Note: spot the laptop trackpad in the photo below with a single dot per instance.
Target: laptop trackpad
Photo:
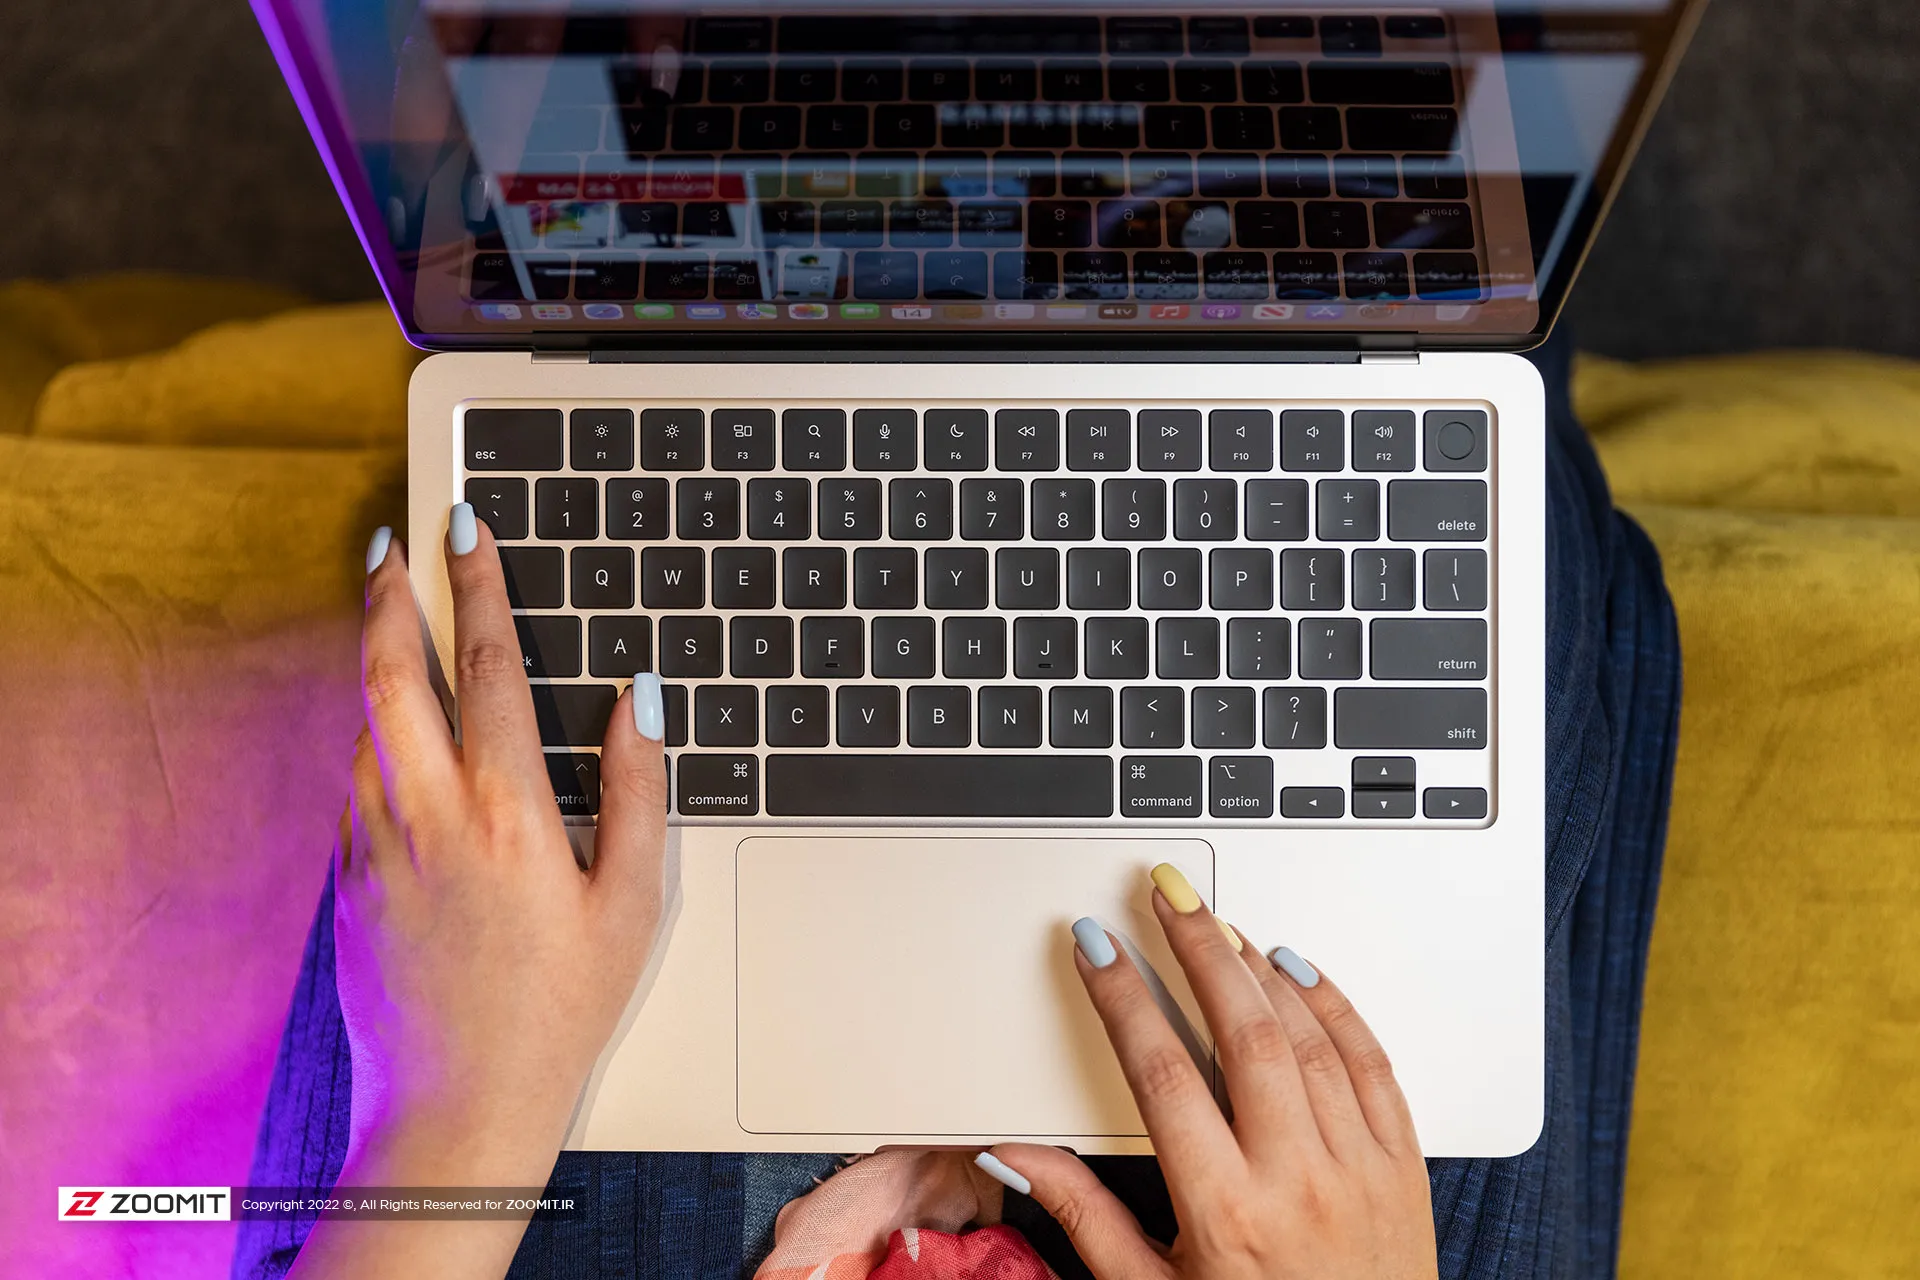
(926, 987)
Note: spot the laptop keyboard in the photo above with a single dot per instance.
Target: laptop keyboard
(1238, 614)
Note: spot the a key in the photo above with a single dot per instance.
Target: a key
(1258, 649)
(1027, 439)
(1241, 786)
(992, 510)
(742, 578)
(850, 510)
(1133, 510)
(1186, 648)
(536, 576)
(1160, 786)
(1311, 578)
(1045, 648)
(1099, 578)
(1437, 510)
(717, 785)
(1368, 717)
(1456, 579)
(726, 715)
(1349, 510)
(566, 508)
(974, 648)
(911, 784)
(1223, 717)
(1312, 802)
(674, 696)
(1394, 772)
(1152, 717)
(742, 440)
(939, 716)
(762, 647)
(573, 715)
(1454, 802)
(832, 649)
(511, 440)
(777, 509)
(1099, 439)
(1456, 439)
(1313, 439)
(601, 439)
(1329, 648)
(1428, 649)
(1080, 717)
(797, 716)
(1293, 719)
(813, 578)
(955, 439)
(636, 508)
(1116, 648)
(708, 509)
(670, 439)
(1241, 439)
(1383, 804)
(885, 439)
(1062, 510)
(1276, 510)
(885, 578)
(603, 577)
(1009, 716)
(1169, 578)
(549, 645)
(1026, 578)
(576, 782)
(1206, 510)
(1383, 440)
(813, 439)
(867, 715)
(619, 646)
(502, 502)
(1240, 578)
(1168, 439)
(672, 578)
(690, 648)
(1383, 579)
(903, 648)
(956, 578)
(920, 510)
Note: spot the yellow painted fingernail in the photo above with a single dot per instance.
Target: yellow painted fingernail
(1175, 889)
(1233, 935)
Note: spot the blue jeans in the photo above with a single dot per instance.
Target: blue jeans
(1613, 702)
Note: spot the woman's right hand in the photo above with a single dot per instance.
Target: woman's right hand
(1317, 1177)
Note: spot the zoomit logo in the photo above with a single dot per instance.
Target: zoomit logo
(146, 1204)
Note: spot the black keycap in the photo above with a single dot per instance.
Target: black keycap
(619, 646)
(1455, 579)
(1023, 276)
(885, 578)
(1160, 786)
(1240, 578)
(787, 224)
(992, 510)
(892, 276)
(566, 508)
(1329, 649)
(832, 648)
(885, 439)
(797, 716)
(1206, 510)
(726, 715)
(701, 128)
(1383, 771)
(1312, 802)
(1375, 275)
(1437, 510)
(1223, 718)
(1337, 224)
(1383, 440)
(835, 128)
(957, 175)
(1383, 804)
(742, 439)
(867, 715)
(1241, 786)
(956, 440)
(1262, 224)
(1272, 82)
(1116, 648)
(1004, 80)
(1186, 648)
(1169, 439)
(905, 126)
(1305, 276)
(1294, 719)
(1258, 649)
(1399, 84)
(1277, 510)
(956, 578)
(549, 645)
(1383, 579)
(1427, 648)
(738, 82)
(920, 510)
(1244, 129)
(1080, 717)
(1009, 716)
(603, 578)
(1309, 129)
(798, 80)
(1161, 174)
(1168, 277)
(914, 785)
(1026, 440)
(1313, 439)
(501, 501)
(1455, 802)
(678, 279)
(1063, 510)
(601, 439)
(1045, 648)
(511, 440)
(1200, 81)
(813, 439)
(889, 174)
(1139, 81)
(1099, 578)
(536, 576)
(1350, 36)
(1403, 225)
(1071, 81)
(972, 125)
(992, 224)
(690, 648)
(1098, 440)
(708, 509)
(721, 786)
(1152, 717)
(850, 510)
(1026, 578)
(1175, 128)
(762, 647)
(813, 578)
(1311, 578)
(1240, 439)
(672, 578)
(777, 510)
(1434, 177)
(1133, 510)
(1456, 439)
(573, 715)
(670, 439)
(939, 716)
(637, 508)
(973, 648)
(1128, 224)
(1060, 224)
(903, 648)
(1169, 578)
(675, 698)
(576, 782)
(872, 81)
(1349, 510)
(1096, 173)
(1219, 37)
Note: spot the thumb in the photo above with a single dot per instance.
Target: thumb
(1104, 1232)
(630, 845)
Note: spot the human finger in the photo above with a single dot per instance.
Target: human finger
(1370, 1072)
(630, 846)
(498, 735)
(1104, 1231)
(408, 727)
(1323, 1072)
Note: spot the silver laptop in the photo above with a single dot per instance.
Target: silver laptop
(1032, 442)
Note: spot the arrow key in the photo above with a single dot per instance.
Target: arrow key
(1391, 772)
(1465, 803)
(1383, 804)
(1312, 802)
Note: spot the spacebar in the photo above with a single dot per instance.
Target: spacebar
(828, 785)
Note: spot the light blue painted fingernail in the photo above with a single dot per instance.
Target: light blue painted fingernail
(377, 549)
(1288, 961)
(1094, 943)
(463, 532)
(649, 708)
(997, 1169)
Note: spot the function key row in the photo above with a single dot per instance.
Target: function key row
(684, 439)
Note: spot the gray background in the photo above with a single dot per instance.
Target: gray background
(1774, 204)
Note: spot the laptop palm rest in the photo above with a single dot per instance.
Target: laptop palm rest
(926, 986)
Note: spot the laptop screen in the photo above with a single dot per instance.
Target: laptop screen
(573, 173)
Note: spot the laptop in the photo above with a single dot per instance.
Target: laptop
(1032, 442)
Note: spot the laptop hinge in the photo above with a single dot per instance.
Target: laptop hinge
(1389, 357)
(956, 356)
(560, 357)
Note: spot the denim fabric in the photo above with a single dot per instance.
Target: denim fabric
(1613, 700)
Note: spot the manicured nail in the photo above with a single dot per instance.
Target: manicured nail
(666, 69)
(1093, 941)
(1175, 889)
(649, 709)
(1288, 961)
(1233, 935)
(463, 532)
(377, 549)
(996, 1169)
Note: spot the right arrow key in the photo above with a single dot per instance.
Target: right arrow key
(1464, 803)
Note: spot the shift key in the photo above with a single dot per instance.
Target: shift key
(1437, 510)
(1372, 719)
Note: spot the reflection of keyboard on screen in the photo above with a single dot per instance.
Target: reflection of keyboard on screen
(876, 159)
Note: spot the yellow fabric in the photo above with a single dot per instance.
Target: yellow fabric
(189, 471)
